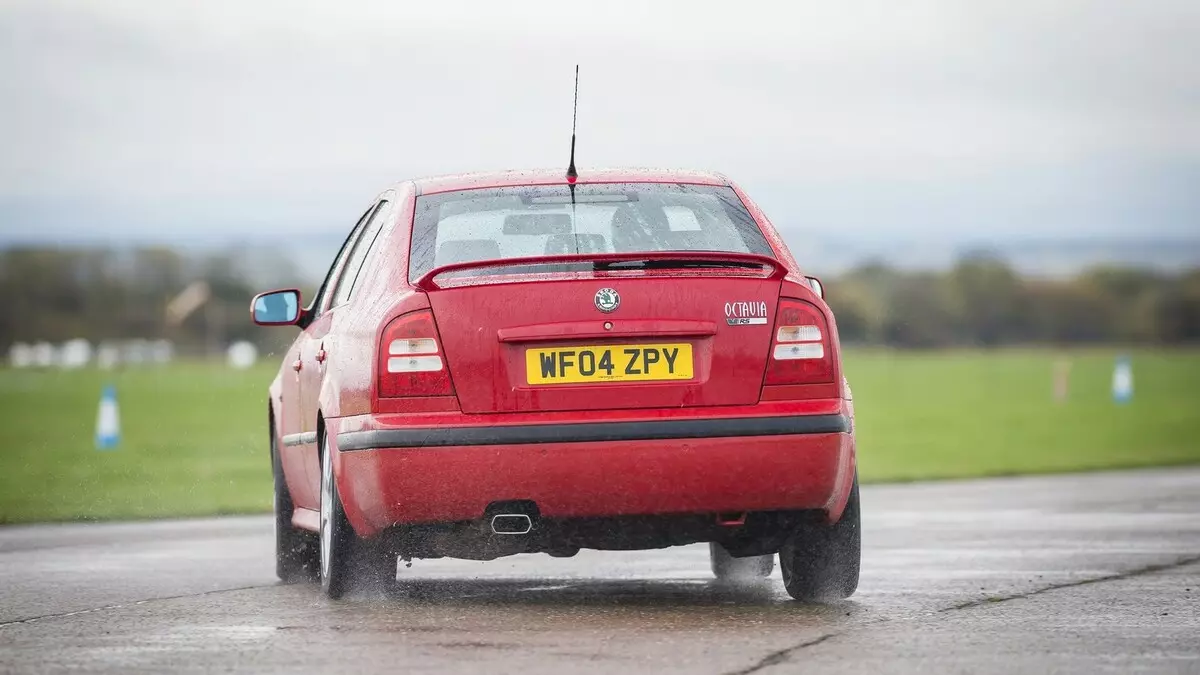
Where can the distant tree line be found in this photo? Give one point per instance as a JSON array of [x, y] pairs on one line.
[[58, 294], [982, 301], [61, 294]]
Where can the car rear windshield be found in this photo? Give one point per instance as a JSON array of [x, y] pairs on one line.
[[529, 221]]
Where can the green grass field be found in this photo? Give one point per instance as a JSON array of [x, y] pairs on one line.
[[193, 442], [970, 413], [194, 439]]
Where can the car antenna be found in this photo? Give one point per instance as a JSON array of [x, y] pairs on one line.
[[572, 174]]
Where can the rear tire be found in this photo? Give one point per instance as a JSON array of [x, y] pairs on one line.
[[347, 563], [728, 568], [296, 554], [819, 561]]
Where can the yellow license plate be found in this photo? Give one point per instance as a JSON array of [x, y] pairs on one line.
[[608, 363]]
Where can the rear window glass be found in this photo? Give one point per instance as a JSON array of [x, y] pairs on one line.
[[529, 221]]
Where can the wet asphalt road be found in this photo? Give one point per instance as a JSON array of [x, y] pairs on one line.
[[1089, 573]]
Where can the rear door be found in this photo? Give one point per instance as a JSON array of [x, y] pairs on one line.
[[311, 353]]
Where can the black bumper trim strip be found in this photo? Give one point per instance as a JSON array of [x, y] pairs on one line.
[[593, 431]]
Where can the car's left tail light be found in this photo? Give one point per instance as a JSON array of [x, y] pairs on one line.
[[411, 361]]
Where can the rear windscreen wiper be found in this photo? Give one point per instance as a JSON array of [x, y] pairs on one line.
[[672, 264]]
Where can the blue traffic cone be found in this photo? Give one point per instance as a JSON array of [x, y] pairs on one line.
[[108, 420], [1122, 380]]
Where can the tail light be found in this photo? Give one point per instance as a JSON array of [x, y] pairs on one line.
[[801, 352], [410, 358]]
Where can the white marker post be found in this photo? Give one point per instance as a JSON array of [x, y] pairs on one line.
[[108, 420], [241, 355], [1122, 380]]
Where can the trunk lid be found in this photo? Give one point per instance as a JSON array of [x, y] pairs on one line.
[[673, 339]]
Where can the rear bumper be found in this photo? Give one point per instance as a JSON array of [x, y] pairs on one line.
[[390, 472]]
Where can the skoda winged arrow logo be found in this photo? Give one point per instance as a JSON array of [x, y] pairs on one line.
[[607, 300]]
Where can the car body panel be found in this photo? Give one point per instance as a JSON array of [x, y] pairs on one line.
[[485, 326]]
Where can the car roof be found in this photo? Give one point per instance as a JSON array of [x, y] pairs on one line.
[[472, 181]]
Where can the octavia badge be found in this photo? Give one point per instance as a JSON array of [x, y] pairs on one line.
[[607, 300]]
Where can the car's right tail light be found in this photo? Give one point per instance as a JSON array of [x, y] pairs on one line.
[[801, 352], [410, 358]]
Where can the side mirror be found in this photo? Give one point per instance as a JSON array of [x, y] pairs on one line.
[[276, 308], [815, 284]]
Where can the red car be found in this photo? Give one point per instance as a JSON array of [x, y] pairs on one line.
[[523, 362]]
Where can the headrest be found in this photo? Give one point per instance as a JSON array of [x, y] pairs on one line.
[[560, 244], [687, 240], [467, 250]]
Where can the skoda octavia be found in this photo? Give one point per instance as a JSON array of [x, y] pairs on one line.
[[525, 362]]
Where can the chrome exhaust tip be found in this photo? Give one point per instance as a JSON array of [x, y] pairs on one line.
[[511, 523]]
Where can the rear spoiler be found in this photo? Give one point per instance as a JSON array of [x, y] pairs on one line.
[[427, 282]]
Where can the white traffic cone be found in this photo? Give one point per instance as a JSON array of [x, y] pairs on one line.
[[108, 420]]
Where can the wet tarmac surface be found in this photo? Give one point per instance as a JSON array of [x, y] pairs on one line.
[[1086, 573]]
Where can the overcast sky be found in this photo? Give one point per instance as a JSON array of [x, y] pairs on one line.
[[193, 121]]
